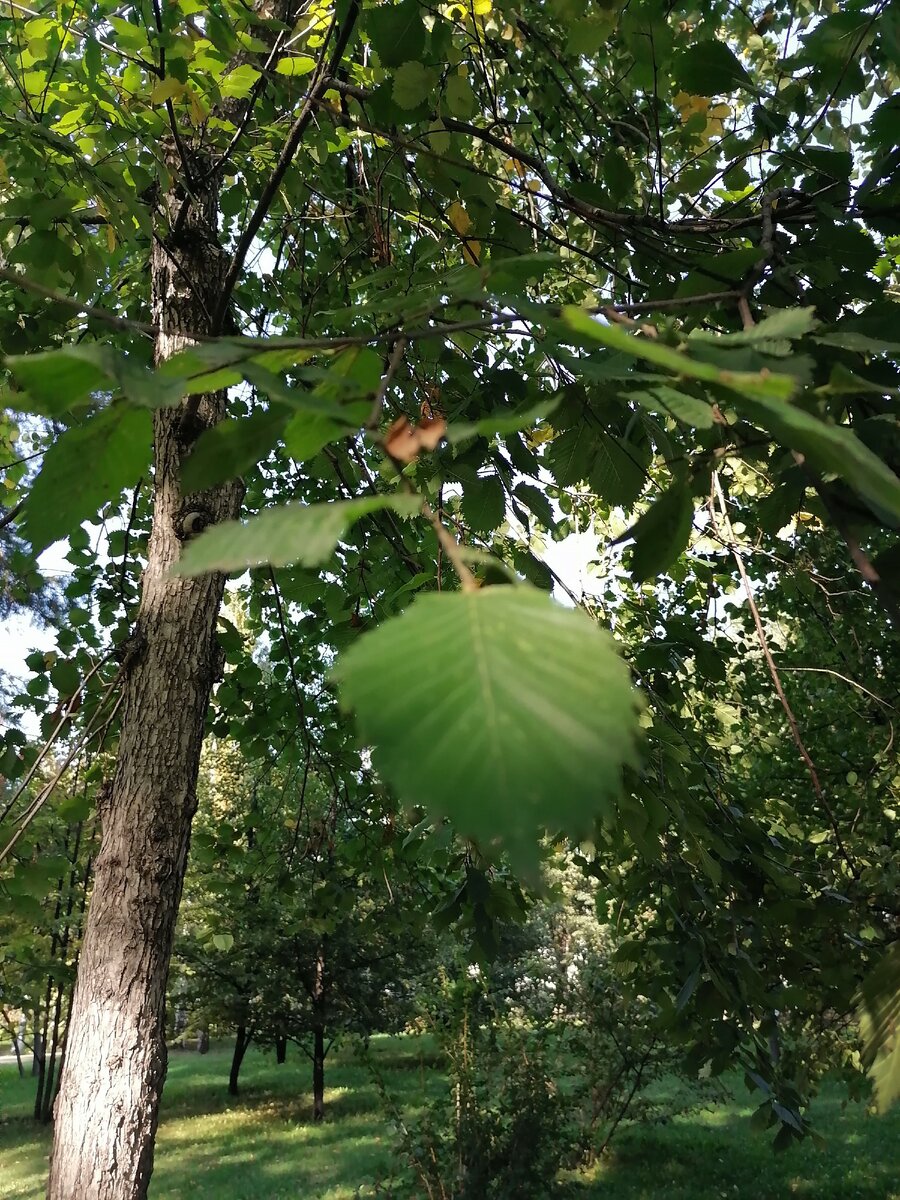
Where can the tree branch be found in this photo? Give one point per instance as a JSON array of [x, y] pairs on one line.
[[288, 151]]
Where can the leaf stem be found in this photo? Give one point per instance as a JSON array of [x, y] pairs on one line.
[[451, 548], [394, 362]]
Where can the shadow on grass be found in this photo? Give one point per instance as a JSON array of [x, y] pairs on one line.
[[716, 1154]]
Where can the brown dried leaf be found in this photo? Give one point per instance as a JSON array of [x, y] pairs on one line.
[[405, 441]]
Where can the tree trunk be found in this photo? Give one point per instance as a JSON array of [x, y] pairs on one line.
[[318, 1005], [107, 1110], [318, 1073], [17, 1048], [37, 1053], [46, 1107], [281, 1049], [241, 1042]]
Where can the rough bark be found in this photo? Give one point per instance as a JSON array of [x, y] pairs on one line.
[[106, 1113]]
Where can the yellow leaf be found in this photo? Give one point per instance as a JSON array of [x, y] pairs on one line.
[[167, 89], [110, 238], [482, 7], [688, 105], [533, 185], [199, 111], [459, 218], [472, 252]]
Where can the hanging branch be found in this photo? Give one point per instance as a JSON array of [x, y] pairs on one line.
[[776, 680], [288, 150]]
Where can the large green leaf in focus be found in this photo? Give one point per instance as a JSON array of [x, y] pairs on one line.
[[87, 466], [291, 533], [499, 709]]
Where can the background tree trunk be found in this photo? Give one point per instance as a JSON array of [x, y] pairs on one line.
[[318, 1005], [318, 1073], [241, 1042], [107, 1110]]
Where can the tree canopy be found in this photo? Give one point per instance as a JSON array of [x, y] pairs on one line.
[[462, 280]]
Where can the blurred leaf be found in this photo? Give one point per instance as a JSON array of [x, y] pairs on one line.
[[292, 533], [710, 69], [661, 533], [87, 466], [880, 1026]]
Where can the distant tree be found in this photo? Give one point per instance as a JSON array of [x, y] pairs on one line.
[[287, 933]]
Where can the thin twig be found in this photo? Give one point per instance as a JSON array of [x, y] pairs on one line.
[[776, 680], [11, 513], [377, 404], [846, 678], [48, 789], [451, 549], [48, 744], [288, 150]]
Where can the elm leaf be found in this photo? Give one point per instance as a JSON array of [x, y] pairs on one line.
[[499, 709], [290, 533]]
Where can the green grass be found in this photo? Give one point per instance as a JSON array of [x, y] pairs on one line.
[[263, 1146]]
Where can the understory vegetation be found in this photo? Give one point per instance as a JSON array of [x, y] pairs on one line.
[[264, 1143]]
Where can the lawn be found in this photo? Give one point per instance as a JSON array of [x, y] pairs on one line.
[[263, 1146]]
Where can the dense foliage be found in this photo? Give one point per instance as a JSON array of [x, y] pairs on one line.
[[493, 274]]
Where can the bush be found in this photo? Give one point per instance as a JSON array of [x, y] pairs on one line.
[[501, 1129], [532, 1090]]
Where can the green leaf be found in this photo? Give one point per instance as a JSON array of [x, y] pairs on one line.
[[308, 432], [687, 409], [461, 100], [496, 708], [59, 381], [788, 323], [300, 64], [238, 83], [88, 465], [745, 383], [292, 533], [861, 342], [223, 941], [618, 473], [166, 89], [230, 447], [662, 532], [710, 69], [484, 504], [538, 502], [830, 449], [412, 85], [503, 422], [396, 32]]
